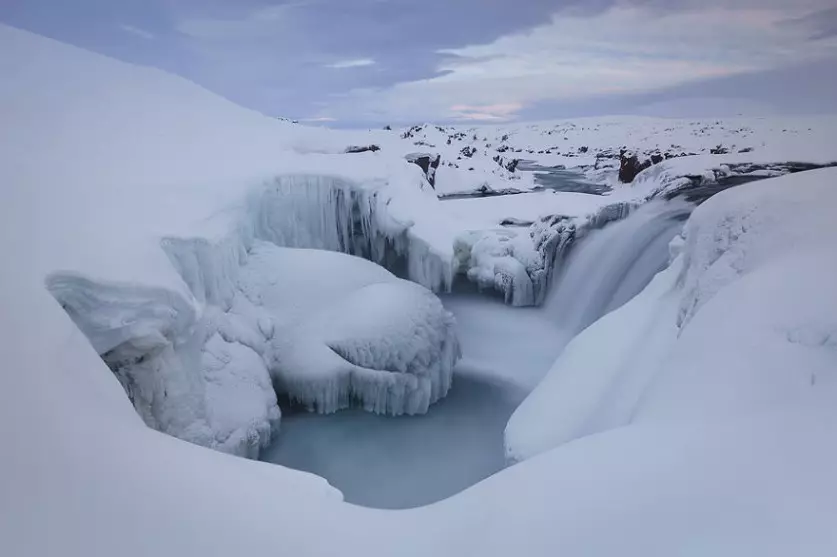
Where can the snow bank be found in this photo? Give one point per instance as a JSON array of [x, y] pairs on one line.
[[740, 321]]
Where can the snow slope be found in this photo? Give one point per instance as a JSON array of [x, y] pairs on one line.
[[740, 323], [81, 474], [142, 242]]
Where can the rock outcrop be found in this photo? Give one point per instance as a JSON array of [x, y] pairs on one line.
[[428, 164], [362, 148]]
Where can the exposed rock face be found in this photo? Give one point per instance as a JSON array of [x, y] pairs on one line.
[[630, 166], [428, 164], [362, 148], [510, 165], [468, 151], [719, 150]]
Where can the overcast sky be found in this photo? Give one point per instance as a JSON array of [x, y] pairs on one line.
[[372, 62]]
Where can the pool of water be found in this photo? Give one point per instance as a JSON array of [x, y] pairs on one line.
[[562, 179], [406, 461], [409, 461]]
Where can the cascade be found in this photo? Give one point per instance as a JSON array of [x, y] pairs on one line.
[[611, 265]]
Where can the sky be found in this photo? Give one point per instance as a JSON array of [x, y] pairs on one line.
[[359, 63]]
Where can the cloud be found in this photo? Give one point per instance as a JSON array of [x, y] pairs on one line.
[[443, 59], [258, 23], [138, 32], [489, 112], [622, 50], [358, 63]]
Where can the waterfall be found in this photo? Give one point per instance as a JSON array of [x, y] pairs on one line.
[[611, 265]]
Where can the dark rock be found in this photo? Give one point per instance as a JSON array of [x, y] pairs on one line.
[[411, 132], [468, 151], [630, 166], [388, 128], [362, 149], [428, 164], [583, 149], [657, 158], [746, 150], [719, 150]]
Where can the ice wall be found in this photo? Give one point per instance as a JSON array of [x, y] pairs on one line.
[[204, 369], [331, 213]]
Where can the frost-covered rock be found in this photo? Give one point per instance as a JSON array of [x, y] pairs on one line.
[[345, 331], [186, 376]]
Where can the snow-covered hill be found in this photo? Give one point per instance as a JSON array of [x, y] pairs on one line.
[[136, 199]]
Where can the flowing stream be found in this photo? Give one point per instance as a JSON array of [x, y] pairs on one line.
[[611, 265]]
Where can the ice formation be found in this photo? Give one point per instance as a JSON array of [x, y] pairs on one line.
[[184, 375], [346, 331]]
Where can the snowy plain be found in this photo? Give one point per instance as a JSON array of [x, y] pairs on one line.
[[714, 448]]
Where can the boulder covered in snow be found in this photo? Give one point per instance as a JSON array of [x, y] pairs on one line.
[[345, 332]]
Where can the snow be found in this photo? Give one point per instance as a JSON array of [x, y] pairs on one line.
[[739, 323], [142, 242], [344, 330], [103, 162]]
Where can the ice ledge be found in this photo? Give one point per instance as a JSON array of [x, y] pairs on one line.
[[196, 369]]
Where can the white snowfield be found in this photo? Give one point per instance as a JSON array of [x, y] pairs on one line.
[[102, 161]]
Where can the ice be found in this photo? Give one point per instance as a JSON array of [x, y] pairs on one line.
[[182, 377], [347, 331]]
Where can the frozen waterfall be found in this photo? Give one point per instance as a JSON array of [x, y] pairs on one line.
[[611, 265]]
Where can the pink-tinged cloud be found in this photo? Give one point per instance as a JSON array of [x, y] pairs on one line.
[[495, 112]]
